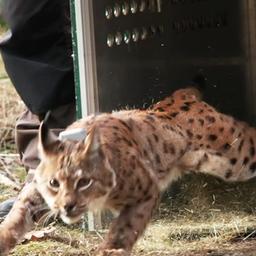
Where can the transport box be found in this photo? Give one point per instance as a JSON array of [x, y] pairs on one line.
[[134, 52], [131, 53]]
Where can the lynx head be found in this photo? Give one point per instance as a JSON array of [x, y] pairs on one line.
[[73, 175]]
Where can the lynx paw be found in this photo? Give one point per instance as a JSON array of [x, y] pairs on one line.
[[113, 252]]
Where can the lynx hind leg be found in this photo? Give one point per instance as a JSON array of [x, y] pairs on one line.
[[27, 208], [177, 99]]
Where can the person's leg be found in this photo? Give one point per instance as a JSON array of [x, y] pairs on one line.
[[26, 140], [37, 57], [26, 131], [37, 52]]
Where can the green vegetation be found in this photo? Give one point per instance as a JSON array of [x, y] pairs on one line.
[[3, 26]]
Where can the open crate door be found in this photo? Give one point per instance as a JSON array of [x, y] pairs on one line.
[[84, 57], [85, 71]]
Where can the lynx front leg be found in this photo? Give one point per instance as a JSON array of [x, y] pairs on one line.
[[129, 225], [26, 210]]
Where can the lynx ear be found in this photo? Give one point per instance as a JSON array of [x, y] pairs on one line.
[[93, 148], [92, 142], [96, 161], [47, 140]]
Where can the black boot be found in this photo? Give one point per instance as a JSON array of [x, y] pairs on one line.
[[6, 206]]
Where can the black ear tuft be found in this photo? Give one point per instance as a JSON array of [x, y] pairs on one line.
[[44, 129], [47, 117], [47, 141]]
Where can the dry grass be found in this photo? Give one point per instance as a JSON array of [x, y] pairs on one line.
[[10, 108], [195, 222], [201, 216]]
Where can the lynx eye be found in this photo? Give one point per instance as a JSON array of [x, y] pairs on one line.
[[54, 183], [84, 183]]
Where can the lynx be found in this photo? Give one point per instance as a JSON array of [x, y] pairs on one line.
[[126, 160]]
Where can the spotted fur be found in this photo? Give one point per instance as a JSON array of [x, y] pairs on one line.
[[129, 157]]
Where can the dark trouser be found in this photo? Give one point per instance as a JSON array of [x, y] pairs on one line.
[[26, 134], [37, 52], [37, 57]]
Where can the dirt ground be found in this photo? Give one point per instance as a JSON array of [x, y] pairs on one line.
[[182, 226], [199, 216]]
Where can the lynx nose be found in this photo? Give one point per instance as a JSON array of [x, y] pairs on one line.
[[69, 207]]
